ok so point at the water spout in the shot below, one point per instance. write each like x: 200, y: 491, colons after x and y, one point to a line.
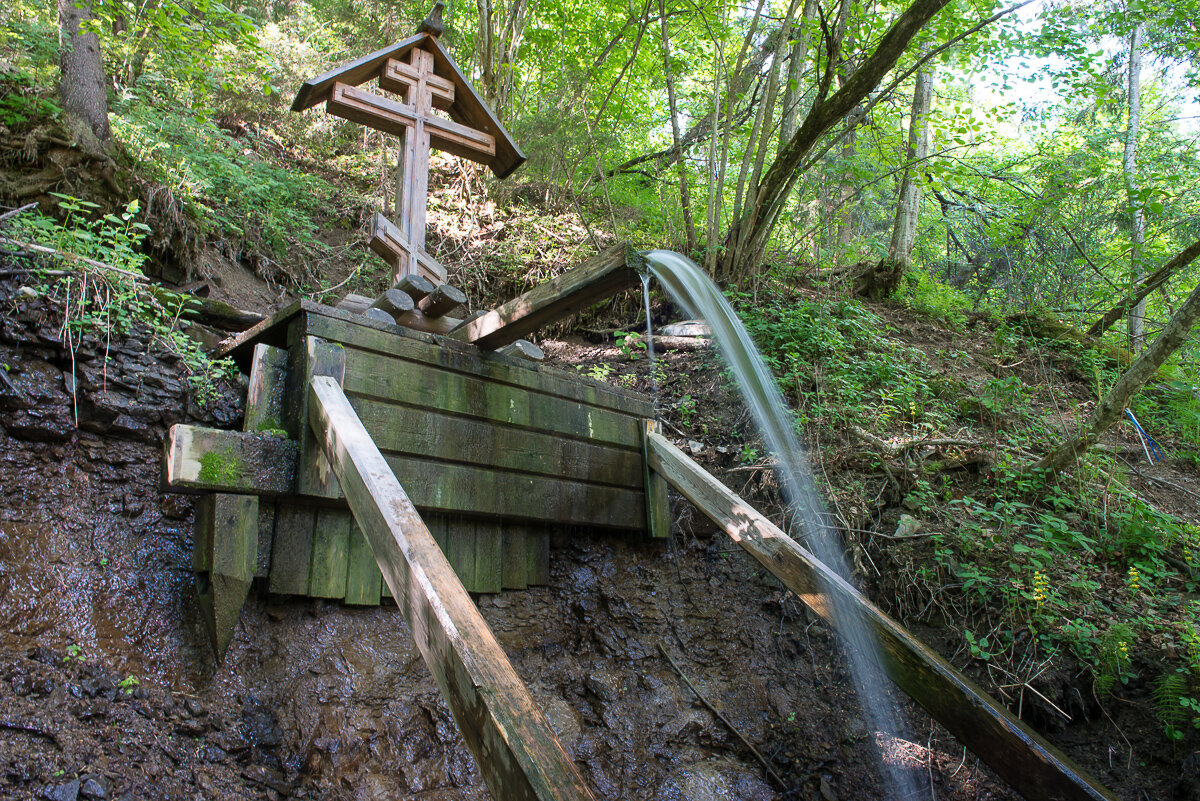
x: 693, y: 290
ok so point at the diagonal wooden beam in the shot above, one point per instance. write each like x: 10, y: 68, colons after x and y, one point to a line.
x: 610, y: 271
x: 1034, y: 767
x: 512, y: 742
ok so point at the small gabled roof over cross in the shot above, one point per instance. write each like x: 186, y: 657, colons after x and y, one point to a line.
x: 464, y: 105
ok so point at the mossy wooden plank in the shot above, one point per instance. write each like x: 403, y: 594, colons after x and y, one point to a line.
x: 268, y: 383
x: 405, y: 430
x: 363, y: 579
x: 460, y: 550
x: 658, y: 501
x: 537, y: 554
x: 314, y: 476
x: 440, y: 487
x: 202, y: 533
x: 515, y: 572
x: 335, y: 325
x: 266, y: 535
x: 292, y: 549
x: 203, y: 459
x: 328, y: 564
x: 371, y: 375
x: 489, y: 556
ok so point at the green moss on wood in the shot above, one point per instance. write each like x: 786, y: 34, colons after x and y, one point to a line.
x: 220, y: 467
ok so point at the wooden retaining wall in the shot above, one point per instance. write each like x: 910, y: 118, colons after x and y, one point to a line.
x: 496, y: 453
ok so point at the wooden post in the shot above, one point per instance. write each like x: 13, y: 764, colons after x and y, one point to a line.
x: 394, y: 302
x: 603, y: 275
x: 512, y: 742
x: 1034, y: 767
x: 658, y: 501
x: 415, y: 286
x: 226, y: 552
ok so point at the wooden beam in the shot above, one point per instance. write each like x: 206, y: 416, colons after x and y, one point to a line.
x: 512, y: 742
x: 395, y: 303
x: 603, y: 275
x: 414, y: 285
x: 1034, y: 767
x: 210, y: 459
x: 389, y: 243
x: 523, y: 349
x: 264, y: 398
x: 384, y: 114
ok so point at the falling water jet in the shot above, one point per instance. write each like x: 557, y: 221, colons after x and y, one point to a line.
x: 693, y: 290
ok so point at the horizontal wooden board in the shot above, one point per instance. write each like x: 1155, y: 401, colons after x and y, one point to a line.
x: 209, y: 459
x: 436, y: 486
x: 405, y: 430
x: 372, y: 375
x: 338, y: 326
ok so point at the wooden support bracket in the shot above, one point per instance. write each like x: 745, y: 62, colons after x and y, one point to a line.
x: 512, y: 742
x: 1034, y: 767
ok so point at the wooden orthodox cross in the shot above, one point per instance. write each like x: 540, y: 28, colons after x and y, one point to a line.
x: 426, y: 79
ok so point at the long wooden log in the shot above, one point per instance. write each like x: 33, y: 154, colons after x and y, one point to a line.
x: 603, y: 275
x: 1034, y: 767
x: 512, y: 742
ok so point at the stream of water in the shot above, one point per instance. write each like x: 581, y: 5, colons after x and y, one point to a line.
x: 691, y: 288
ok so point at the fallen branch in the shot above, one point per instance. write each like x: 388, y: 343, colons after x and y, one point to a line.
x: 32, y: 248
x: 767, y: 765
x: 8, y: 215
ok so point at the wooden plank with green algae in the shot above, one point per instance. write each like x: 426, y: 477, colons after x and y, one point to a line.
x: 328, y: 564
x: 364, y: 581
x: 428, y: 350
x: 407, y: 430
x: 489, y: 556
x: 268, y: 385
x: 315, y: 357
x: 211, y: 459
x: 460, y: 550
x: 515, y: 573
x: 373, y: 376
x: 292, y: 549
x: 436, y: 486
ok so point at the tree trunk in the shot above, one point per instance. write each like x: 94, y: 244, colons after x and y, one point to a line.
x: 747, y: 238
x: 793, y: 93
x: 1112, y: 407
x: 1160, y: 277
x: 908, y: 204
x: 83, y: 87
x: 685, y: 198
x: 1137, y: 222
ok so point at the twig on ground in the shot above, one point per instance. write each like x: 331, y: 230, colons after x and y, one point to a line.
x: 767, y: 765
x: 8, y: 215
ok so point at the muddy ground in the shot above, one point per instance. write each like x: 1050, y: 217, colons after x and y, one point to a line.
x: 107, y: 689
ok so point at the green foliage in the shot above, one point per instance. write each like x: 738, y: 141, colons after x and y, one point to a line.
x: 23, y: 103
x: 113, y: 300
x: 922, y: 293
x: 222, y: 184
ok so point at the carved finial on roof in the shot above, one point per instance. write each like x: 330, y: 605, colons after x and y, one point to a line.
x: 433, y: 24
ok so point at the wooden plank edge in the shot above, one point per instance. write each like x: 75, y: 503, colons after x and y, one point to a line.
x: 1019, y: 755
